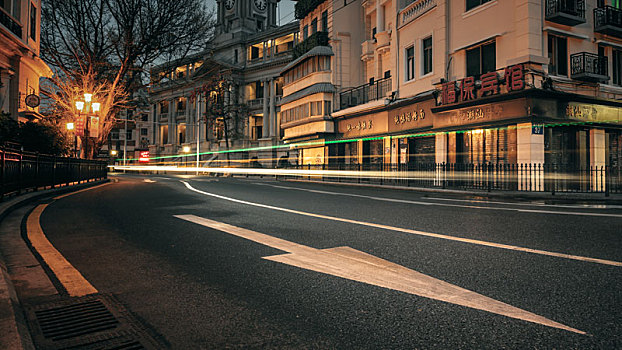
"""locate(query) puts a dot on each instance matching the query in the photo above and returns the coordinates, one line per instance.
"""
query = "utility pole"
(198, 110)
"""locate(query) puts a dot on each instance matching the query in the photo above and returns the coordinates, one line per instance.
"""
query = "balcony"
(567, 12)
(304, 7)
(10, 23)
(608, 20)
(588, 67)
(367, 50)
(365, 93)
(383, 41)
(316, 39)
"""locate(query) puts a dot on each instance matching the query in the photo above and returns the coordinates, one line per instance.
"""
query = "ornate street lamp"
(87, 106)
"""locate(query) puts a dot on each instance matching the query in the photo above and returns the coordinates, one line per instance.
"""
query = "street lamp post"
(87, 106)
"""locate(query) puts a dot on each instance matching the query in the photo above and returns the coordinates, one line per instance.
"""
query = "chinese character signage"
(143, 157)
(79, 125)
(94, 128)
(490, 84)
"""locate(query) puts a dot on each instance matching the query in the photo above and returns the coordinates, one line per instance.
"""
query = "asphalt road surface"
(221, 263)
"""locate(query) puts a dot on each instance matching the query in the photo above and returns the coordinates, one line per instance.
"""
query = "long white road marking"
(445, 204)
(410, 231)
(349, 263)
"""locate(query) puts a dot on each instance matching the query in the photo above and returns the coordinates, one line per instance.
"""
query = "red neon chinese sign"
(143, 157)
(489, 84)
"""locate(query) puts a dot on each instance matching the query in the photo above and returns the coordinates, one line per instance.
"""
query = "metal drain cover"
(96, 321)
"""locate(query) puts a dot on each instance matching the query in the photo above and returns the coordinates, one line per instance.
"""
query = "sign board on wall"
(94, 127)
(481, 114)
(143, 157)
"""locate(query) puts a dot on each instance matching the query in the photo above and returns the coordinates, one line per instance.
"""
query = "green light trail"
(371, 138)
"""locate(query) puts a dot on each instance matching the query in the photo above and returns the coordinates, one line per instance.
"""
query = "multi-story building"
(474, 81)
(20, 64)
(250, 50)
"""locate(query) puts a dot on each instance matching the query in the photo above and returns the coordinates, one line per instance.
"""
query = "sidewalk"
(15, 333)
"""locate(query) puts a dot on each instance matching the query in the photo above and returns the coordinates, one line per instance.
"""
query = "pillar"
(379, 17)
(597, 159)
(171, 122)
(440, 153)
(266, 125)
(272, 121)
(530, 157)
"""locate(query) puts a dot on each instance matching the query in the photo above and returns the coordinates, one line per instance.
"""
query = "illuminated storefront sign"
(490, 84)
(143, 157)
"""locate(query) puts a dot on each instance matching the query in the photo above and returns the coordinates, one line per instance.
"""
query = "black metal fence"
(505, 177)
(365, 93)
(22, 171)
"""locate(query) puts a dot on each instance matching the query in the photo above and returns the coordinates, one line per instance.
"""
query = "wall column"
(440, 157)
(597, 159)
(530, 158)
(171, 122)
(272, 109)
(265, 132)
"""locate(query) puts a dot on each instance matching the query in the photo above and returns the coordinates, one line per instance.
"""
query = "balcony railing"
(365, 93)
(10, 23)
(588, 67)
(567, 12)
(316, 39)
(303, 7)
(608, 20)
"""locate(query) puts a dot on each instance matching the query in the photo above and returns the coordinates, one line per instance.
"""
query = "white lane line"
(444, 204)
(148, 181)
(410, 231)
(352, 264)
(571, 206)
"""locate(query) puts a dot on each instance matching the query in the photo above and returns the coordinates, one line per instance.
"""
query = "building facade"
(249, 50)
(20, 64)
(463, 82)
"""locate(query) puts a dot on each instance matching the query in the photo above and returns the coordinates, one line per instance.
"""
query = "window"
(259, 24)
(558, 54)
(373, 34)
(474, 3)
(314, 26)
(163, 107)
(259, 89)
(617, 67)
(481, 59)
(427, 55)
(387, 74)
(33, 22)
(305, 32)
(143, 132)
(128, 135)
(325, 21)
(327, 109)
(410, 63)
(235, 56)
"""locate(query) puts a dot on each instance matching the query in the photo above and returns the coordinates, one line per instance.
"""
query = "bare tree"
(105, 46)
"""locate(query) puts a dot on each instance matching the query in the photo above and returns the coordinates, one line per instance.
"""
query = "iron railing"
(574, 8)
(606, 17)
(487, 176)
(365, 93)
(10, 23)
(20, 171)
(588, 64)
(315, 39)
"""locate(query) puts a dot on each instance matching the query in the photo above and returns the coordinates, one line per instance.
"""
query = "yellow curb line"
(71, 279)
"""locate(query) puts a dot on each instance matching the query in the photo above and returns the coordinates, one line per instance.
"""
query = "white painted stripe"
(571, 206)
(410, 231)
(445, 204)
(349, 263)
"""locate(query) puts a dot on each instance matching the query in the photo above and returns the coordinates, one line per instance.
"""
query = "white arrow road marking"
(414, 232)
(148, 180)
(349, 263)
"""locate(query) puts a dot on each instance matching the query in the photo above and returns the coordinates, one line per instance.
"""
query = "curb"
(596, 197)
(15, 332)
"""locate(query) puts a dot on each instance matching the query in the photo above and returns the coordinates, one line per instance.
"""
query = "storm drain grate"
(96, 321)
(75, 320)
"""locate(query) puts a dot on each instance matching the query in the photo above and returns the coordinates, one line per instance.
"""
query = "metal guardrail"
(21, 171)
(588, 63)
(570, 7)
(608, 16)
(504, 177)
